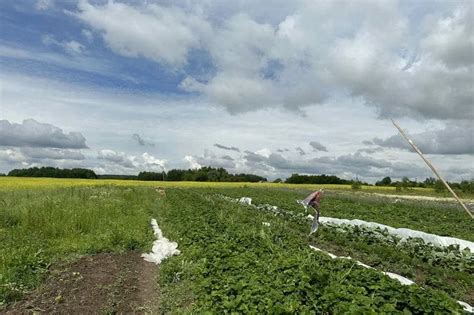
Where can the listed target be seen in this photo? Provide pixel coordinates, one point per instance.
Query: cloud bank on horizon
(189, 76)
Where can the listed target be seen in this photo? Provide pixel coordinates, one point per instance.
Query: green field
(230, 261)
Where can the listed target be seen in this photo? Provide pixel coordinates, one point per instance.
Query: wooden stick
(433, 169)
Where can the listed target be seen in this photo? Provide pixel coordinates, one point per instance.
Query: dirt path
(103, 283)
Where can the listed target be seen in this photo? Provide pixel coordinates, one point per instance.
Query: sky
(265, 87)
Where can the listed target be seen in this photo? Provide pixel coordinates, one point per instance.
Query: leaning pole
(432, 168)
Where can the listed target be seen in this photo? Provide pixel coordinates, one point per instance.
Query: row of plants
(448, 268)
(441, 218)
(236, 259)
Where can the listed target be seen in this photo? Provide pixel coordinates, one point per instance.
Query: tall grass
(39, 227)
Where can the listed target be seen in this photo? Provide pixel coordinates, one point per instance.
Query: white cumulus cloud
(163, 34)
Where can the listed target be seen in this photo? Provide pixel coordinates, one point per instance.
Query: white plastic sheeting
(245, 201)
(402, 280)
(405, 281)
(340, 257)
(162, 247)
(468, 308)
(403, 233)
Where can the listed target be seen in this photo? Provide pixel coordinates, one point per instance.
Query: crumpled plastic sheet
(162, 247)
(245, 201)
(404, 281)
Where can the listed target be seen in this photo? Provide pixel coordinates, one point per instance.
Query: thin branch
(432, 168)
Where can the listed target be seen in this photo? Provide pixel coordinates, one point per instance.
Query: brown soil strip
(103, 283)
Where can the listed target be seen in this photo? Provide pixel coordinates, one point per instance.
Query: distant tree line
(204, 174)
(112, 176)
(466, 186)
(53, 172)
(210, 174)
(319, 179)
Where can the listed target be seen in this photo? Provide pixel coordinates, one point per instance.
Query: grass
(37, 228)
(229, 261)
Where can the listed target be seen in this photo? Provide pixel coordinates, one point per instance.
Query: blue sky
(24, 28)
(153, 84)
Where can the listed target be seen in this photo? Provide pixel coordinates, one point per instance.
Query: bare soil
(102, 283)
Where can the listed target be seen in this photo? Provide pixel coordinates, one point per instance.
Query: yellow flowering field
(41, 183)
(13, 183)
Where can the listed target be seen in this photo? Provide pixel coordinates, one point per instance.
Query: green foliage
(467, 186)
(203, 174)
(175, 175)
(37, 228)
(407, 184)
(53, 172)
(151, 176)
(453, 268)
(435, 217)
(231, 263)
(356, 185)
(429, 182)
(112, 176)
(439, 186)
(386, 181)
(398, 187)
(315, 179)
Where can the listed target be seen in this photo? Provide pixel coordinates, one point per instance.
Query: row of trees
(210, 174)
(318, 179)
(112, 176)
(430, 182)
(53, 172)
(204, 174)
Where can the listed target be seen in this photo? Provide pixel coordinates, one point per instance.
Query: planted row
(448, 269)
(235, 259)
(445, 219)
